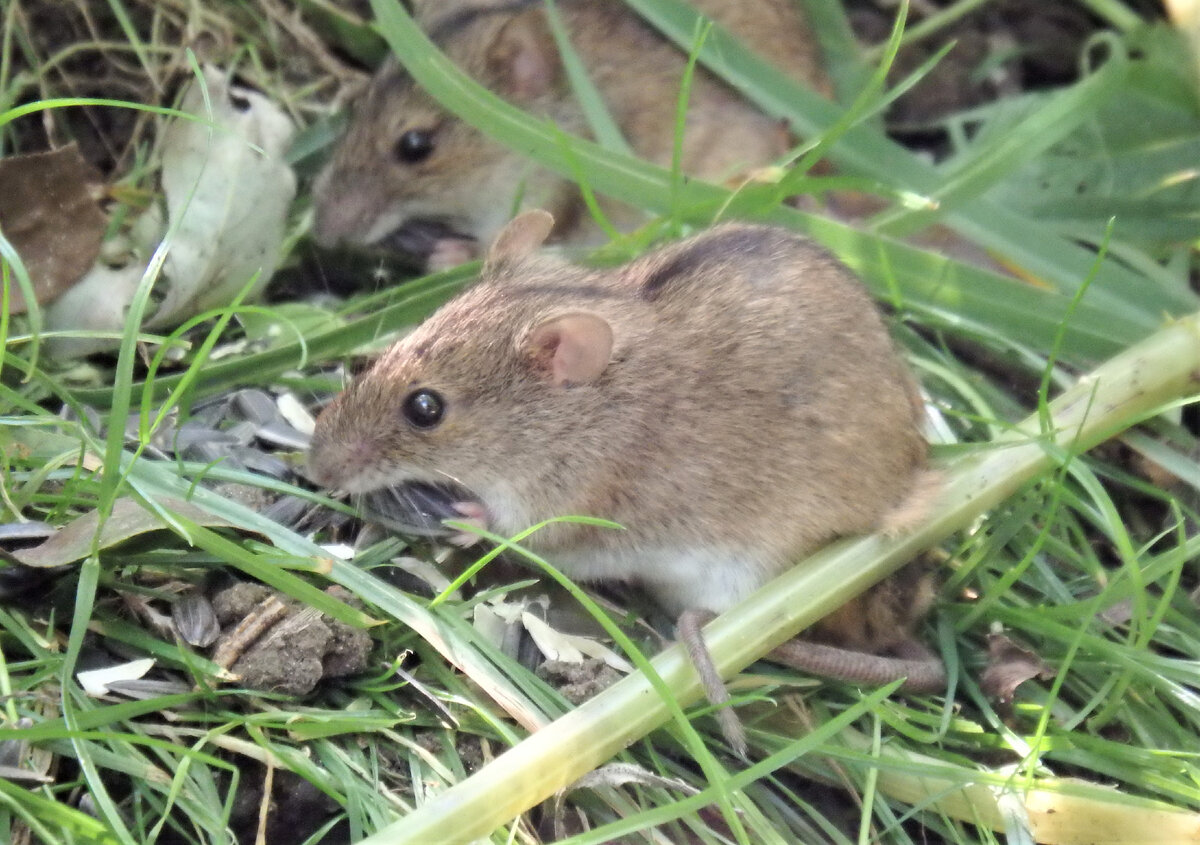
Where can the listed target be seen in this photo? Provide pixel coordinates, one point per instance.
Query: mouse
(405, 161)
(734, 401)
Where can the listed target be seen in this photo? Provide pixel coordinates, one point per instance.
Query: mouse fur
(373, 187)
(733, 400)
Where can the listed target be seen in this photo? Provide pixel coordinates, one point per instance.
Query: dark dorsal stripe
(744, 242)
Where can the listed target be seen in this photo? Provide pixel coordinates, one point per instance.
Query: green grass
(1044, 539)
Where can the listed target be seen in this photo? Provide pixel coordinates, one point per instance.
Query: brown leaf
(128, 519)
(51, 217)
(1009, 666)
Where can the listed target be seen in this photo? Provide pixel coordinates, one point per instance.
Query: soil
(294, 653)
(577, 682)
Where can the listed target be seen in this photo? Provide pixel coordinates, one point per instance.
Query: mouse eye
(423, 408)
(414, 146)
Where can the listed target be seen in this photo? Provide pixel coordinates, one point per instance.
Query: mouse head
(490, 393)
(406, 158)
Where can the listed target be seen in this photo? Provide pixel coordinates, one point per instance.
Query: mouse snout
(335, 222)
(347, 207)
(344, 464)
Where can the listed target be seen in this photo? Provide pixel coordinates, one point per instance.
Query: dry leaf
(612, 776)
(227, 190)
(229, 200)
(50, 216)
(128, 519)
(1009, 666)
(571, 648)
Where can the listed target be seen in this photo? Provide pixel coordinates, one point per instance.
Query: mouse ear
(524, 57)
(570, 348)
(520, 237)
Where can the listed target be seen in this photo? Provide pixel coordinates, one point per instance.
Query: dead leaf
(226, 188)
(612, 776)
(51, 217)
(128, 519)
(1119, 614)
(570, 648)
(1010, 665)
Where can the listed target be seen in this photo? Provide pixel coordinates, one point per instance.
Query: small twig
(264, 809)
(290, 21)
(257, 622)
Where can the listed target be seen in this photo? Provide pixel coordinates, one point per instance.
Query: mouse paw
(473, 513)
(449, 253)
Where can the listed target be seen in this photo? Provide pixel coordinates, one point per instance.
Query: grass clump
(1075, 562)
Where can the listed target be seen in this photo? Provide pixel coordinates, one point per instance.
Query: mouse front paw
(449, 253)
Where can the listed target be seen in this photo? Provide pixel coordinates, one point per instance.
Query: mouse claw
(449, 253)
(473, 514)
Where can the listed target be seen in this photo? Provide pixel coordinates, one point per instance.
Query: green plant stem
(1122, 392)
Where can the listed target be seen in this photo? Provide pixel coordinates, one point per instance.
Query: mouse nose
(348, 204)
(337, 463)
(334, 223)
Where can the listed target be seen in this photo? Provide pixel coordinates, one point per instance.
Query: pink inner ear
(532, 73)
(527, 57)
(573, 348)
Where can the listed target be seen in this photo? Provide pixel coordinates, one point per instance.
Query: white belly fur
(696, 578)
(678, 579)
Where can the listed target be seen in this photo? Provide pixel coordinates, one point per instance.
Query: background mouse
(405, 160)
(733, 400)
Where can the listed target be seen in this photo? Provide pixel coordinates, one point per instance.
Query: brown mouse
(733, 400)
(406, 161)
